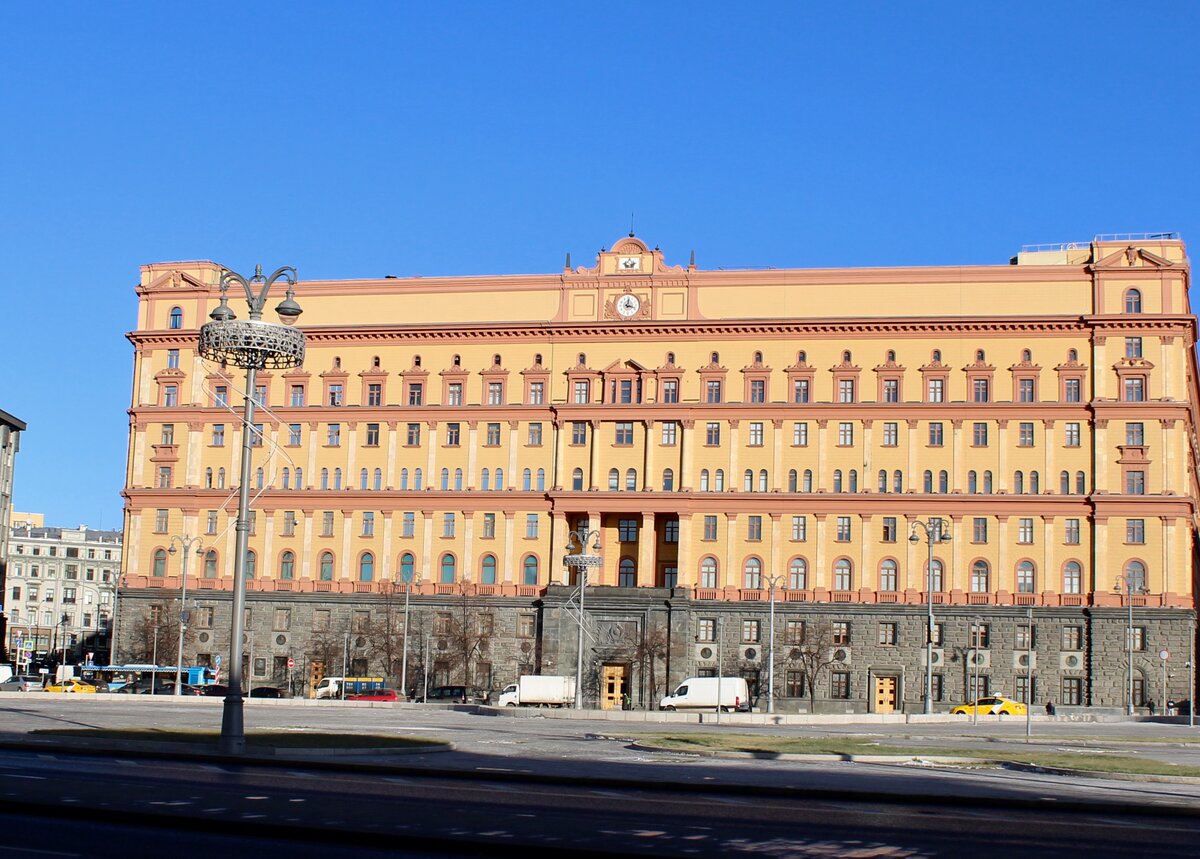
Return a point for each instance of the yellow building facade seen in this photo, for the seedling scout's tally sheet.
(723, 430)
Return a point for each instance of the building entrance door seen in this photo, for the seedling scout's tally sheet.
(614, 686)
(885, 694)
(316, 673)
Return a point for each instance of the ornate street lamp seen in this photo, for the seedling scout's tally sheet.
(1130, 584)
(580, 561)
(934, 533)
(773, 580)
(253, 345)
(185, 543)
(408, 586)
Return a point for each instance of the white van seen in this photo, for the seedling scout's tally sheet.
(329, 687)
(700, 693)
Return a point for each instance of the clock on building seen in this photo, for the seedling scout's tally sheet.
(628, 305)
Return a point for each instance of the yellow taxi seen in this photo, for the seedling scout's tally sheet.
(71, 685)
(993, 705)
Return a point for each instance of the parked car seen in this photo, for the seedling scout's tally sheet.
(22, 683)
(214, 690)
(993, 705)
(457, 695)
(71, 684)
(376, 695)
(168, 688)
(267, 692)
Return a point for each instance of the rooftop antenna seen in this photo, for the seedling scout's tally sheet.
(631, 225)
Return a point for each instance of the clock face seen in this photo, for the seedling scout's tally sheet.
(630, 264)
(628, 305)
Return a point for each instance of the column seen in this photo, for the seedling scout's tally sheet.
(385, 552)
(734, 482)
(427, 546)
(266, 563)
(195, 448)
(686, 455)
(1101, 454)
(1101, 580)
(687, 563)
(820, 575)
(648, 483)
(558, 548)
(346, 564)
(472, 453)
(732, 570)
(912, 477)
(390, 469)
(957, 475)
(777, 457)
(954, 579)
(510, 560)
(1002, 474)
(310, 468)
(431, 476)
(351, 453)
(647, 574)
(1100, 370)
(1168, 455)
(1003, 578)
(1049, 478)
(560, 453)
(513, 427)
(822, 464)
(594, 456)
(598, 577)
(868, 434)
(306, 553)
(467, 563)
(776, 545)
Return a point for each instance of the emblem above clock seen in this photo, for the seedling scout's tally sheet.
(628, 256)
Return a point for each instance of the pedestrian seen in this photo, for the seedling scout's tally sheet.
(1049, 708)
(1150, 706)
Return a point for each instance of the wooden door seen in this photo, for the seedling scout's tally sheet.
(885, 694)
(316, 673)
(614, 685)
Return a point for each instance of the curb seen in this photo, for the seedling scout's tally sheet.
(205, 751)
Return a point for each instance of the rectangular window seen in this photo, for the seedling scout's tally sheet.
(1134, 389)
(843, 529)
(670, 433)
(980, 391)
(936, 391)
(168, 434)
(413, 435)
(372, 435)
(712, 434)
(218, 435)
(289, 523)
(534, 436)
(1071, 390)
(495, 393)
(368, 524)
(489, 526)
(794, 685)
(800, 393)
(624, 434)
(333, 436)
(938, 687)
(211, 522)
(327, 523)
(799, 528)
(283, 620)
(454, 394)
(758, 391)
(624, 391)
(979, 636)
(1025, 390)
(160, 521)
(845, 390)
(1139, 637)
(493, 435)
(296, 399)
(260, 395)
(800, 434)
(754, 528)
(627, 530)
(1071, 532)
(170, 395)
(1072, 638)
(408, 525)
(794, 632)
(706, 629)
(1072, 691)
(172, 359)
(710, 528)
(221, 396)
(887, 634)
(320, 621)
(891, 434)
(670, 391)
(936, 434)
(1135, 483)
(889, 529)
(1135, 531)
(1025, 434)
(979, 533)
(537, 393)
(1133, 347)
(1071, 434)
(671, 531)
(453, 435)
(531, 526)
(1024, 530)
(1135, 434)
(582, 391)
(750, 630)
(980, 434)
(416, 393)
(294, 435)
(1022, 691)
(335, 395)
(526, 626)
(712, 391)
(374, 394)
(756, 434)
(579, 432)
(845, 434)
(447, 524)
(839, 684)
(164, 477)
(891, 390)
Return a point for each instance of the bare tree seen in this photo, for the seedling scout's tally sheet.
(328, 646)
(645, 649)
(385, 632)
(815, 654)
(155, 634)
(467, 635)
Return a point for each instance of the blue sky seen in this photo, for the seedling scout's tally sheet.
(355, 140)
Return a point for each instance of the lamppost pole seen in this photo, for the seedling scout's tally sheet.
(933, 534)
(252, 345)
(773, 581)
(1029, 676)
(404, 658)
(185, 542)
(578, 560)
(1129, 584)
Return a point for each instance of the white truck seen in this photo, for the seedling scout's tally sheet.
(539, 690)
(700, 693)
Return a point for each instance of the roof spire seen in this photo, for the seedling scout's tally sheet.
(567, 264)
(631, 225)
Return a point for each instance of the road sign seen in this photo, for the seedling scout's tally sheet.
(291, 663)
(218, 659)
(1164, 654)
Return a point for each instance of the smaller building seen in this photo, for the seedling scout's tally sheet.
(61, 592)
(10, 443)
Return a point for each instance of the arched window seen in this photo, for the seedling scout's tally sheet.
(928, 484)
(798, 575)
(324, 478)
(176, 320)
(404, 479)
(752, 574)
(378, 479)
(708, 572)
(458, 484)
(220, 478)
(449, 569)
(527, 480)
(936, 576)
(748, 480)
(1064, 483)
(287, 565)
(210, 564)
(887, 575)
(445, 479)
(1019, 482)
(631, 479)
(626, 574)
(980, 576)
(1035, 483)
(362, 479)
(1072, 577)
(1133, 300)
(846, 357)
(936, 355)
(793, 481)
(499, 479)
(987, 483)
(853, 480)
(720, 481)
(251, 563)
(208, 478)
(576, 479)
(897, 481)
(943, 482)
(258, 478)
(807, 480)
(843, 575)
(1080, 483)
(837, 480)
(407, 567)
(891, 354)
(972, 482)
(160, 563)
(326, 567)
(487, 570)
(758, 357)
(287, 478)
(1026, 356)
(668, 480)
(337, 478)
(417, 479)
(980, 357)
(762, 480)
(715, 357)
(1135, 572)
(529, 570)
(1025, 577)
(883, 480)
(485, 480)
(541, 480)
(704, 487)
(366, 567)
(614, 479)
